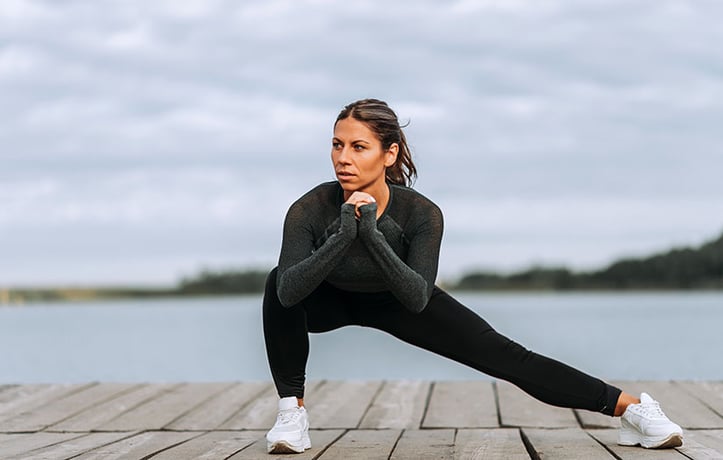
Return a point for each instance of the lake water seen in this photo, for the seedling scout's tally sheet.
(611, 335)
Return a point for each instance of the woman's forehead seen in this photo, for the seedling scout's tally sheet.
(351, 128)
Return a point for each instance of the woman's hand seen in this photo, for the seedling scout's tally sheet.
(359, 199)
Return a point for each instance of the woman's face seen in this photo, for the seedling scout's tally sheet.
(359, 160)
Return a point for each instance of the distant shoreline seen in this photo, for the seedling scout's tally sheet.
(20, 297)
(679, 269)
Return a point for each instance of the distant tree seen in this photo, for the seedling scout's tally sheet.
(679, 268)
(228, 282)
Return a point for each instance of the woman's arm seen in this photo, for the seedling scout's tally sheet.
(301, 268)
(412, 281)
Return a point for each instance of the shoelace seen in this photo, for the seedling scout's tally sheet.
(289, 416)
(652, 409)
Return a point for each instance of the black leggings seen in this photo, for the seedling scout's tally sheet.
(445, 327)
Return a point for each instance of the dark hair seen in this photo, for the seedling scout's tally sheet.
(383, 122)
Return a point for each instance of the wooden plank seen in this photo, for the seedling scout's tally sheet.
(503, 443)
(215, 411)
(94, 417)
(567, 443)
(70, 448)
(20, 394)
(517, 408)
(399, 404)
(6, 387)
(709, 393)
(703, 444)
(363, 445)
(29, 397)
(13, 444)
(462, 404)
(678, 404)
(610, 439)
(163, 409)
(596, 419)
(320, 440)
(42, 417)
(211, 446)
(139, 446)
(425, 444)
(260, 413)
(340, 403)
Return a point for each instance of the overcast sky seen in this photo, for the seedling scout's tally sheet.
(142, 141)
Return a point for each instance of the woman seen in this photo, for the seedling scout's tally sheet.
(364, 250)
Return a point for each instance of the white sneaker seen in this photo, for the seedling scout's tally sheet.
(647, 425)
(290, 434)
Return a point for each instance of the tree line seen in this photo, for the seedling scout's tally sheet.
(679, 268)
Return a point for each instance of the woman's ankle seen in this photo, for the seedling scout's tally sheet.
(624, 401)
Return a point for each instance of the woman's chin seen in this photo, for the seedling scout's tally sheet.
(348, 186)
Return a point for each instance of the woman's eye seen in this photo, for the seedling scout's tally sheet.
(358, 148)
(336, 145)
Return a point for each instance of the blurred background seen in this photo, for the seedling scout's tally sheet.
(143, 142)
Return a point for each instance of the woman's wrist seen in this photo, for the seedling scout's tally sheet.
(348, 227)
(367, 220)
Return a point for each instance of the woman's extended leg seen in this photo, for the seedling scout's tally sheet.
(448, 328)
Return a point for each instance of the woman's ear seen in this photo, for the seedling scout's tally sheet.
(390, 157)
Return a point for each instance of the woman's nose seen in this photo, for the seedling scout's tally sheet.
(343, 156)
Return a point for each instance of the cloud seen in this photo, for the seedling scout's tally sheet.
(123, 120)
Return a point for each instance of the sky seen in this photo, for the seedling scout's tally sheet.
(141, 142)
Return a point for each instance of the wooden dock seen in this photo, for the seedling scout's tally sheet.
(349, 420)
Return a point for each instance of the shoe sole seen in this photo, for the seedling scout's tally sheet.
(285, 447)
(282, 447)
(669, 442)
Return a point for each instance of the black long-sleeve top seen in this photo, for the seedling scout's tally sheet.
(322, 240)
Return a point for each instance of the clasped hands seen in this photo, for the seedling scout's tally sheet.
(359, 199)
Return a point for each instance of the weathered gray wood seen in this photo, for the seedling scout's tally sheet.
(211, 446)
(260, 413)
(6, 387)
(710, 393)
(218, 409)
(182, 408)
(463, 404)
(703, 444)
(12, 444)
(425, 444)
(567, 443)
(610, 439)
(164, 409)
(20, 394)
(70, 448)
(363, 445)
(503, 443)
(596, 419)
(399, 404)
(94, 417)
(319, 441)
(29, 397)
(678, 404)
(340, 403)
(138, 446)
(517, 408)
(41, 417)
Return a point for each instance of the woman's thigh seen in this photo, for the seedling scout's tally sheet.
(444, 324)
(328, 308)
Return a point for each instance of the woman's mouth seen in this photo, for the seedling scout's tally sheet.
(344, 175)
